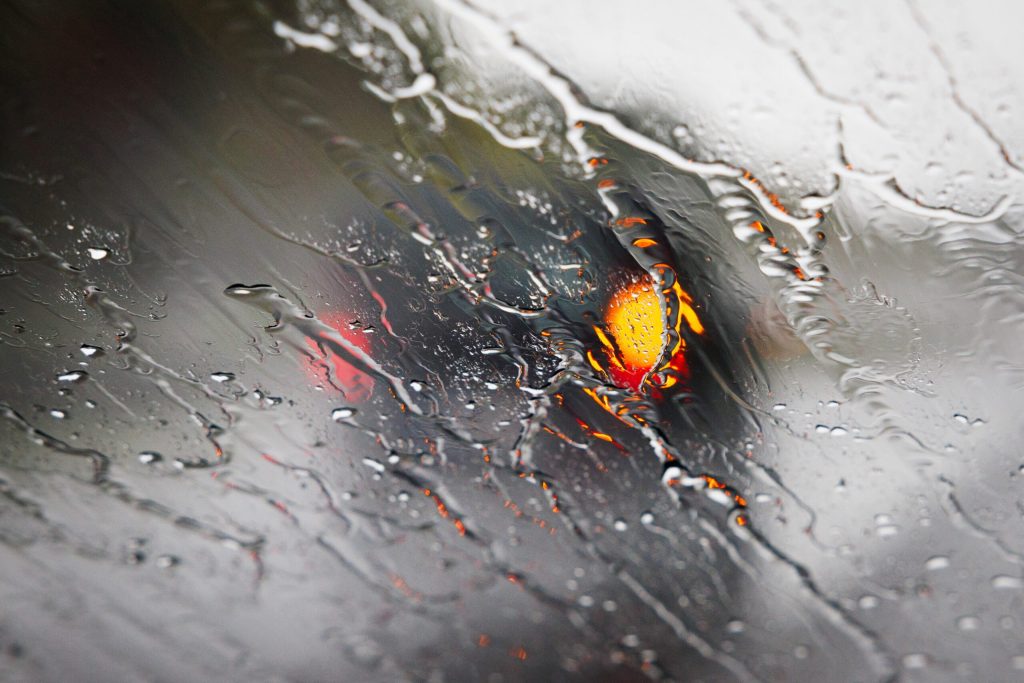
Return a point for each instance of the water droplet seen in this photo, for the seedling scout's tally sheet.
(72, 376)
(58, 414)
(98, 254)
(134, 551)
(937, 562)
(868, 602)
(968, 623)
(339, 414)
(1007, 582)
(150, 457)
(89, 351)
(647, 518)
(915, 661)
(222, 376)
(374, 464)
(167, 561)
(671, 474)
(620, 525)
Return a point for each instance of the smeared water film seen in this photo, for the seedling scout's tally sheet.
(482, 341)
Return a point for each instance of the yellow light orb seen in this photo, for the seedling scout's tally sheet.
(634, 319)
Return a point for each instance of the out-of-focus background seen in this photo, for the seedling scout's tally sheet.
(482, 341)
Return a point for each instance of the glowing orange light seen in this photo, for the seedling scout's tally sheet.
(634, 319)
(713, 483)
(687, 311)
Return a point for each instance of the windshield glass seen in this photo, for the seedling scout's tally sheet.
(444, 341)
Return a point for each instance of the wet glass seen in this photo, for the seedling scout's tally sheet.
(448, 341)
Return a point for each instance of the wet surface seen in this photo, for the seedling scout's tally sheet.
(395, 342)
